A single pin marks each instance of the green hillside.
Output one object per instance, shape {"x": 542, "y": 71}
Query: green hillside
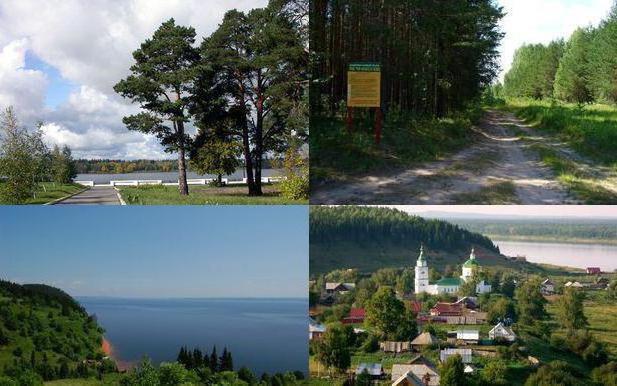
{"x": 45, "y": 334}
{"x": 369, "y": 238}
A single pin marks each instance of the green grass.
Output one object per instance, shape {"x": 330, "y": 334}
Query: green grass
{"x": 203, "y": 195}
{"x": 50, "y": 191}
{"x": 591, "y": 130}
{"x": 585, "y": 187}
{"x": 335, "y": 153}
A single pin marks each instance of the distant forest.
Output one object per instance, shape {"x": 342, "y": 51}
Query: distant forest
{"x": 365, "y": 225}
{"x": 581, "y": 70}
{"x": 557, "y": 230}
{"x": 111, "y": 166}
{"x": 436, "y": 56}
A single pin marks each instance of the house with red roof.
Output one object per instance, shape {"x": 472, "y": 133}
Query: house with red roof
{"x": 447, "y": 309}
{"x": 356, "y": 315}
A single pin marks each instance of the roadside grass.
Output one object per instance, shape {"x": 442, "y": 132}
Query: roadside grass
{"x": 591, "y": 129}
{"x": 496, "y": 193}
{"x": 337, "y": 154}
{"x": 204, "y": 195}
{"x": 49, "y": 191}
{"x": 570, "y": 174}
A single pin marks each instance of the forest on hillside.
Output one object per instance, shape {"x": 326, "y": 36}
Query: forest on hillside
{"x": 580, "y": 70}
{"x": 366, "y": 225}
{"x": 436, "y": 56}
{"x": 45, "y": 334}
{"x": 549, "y": 229}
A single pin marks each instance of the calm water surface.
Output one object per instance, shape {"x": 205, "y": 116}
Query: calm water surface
{"x": 165, "y": 176}
{"x": 266, "y": 335}
{"x": 572, "y": 255}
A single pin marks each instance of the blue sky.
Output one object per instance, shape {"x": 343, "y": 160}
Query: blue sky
{"x": 219, "y": 251}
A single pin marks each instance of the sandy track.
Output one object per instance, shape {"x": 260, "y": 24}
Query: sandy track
{"x": 497, "y": 161}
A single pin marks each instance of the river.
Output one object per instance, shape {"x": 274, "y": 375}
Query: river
{"x": 564, "y": 254}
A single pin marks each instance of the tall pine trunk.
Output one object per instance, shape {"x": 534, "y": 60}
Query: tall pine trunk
{"x": 183, "y": 187}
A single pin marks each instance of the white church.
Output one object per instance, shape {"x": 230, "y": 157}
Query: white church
{"x": 447, "y": 284}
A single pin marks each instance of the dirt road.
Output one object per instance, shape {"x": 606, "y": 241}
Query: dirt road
{"x": 498, "y": 168}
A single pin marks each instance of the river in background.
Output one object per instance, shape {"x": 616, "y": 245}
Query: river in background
{"x": 266, "y": 335}
{"x": 564, "y": 254}
{"x": 165, "y": 176}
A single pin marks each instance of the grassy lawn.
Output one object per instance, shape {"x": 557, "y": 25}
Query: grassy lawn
{"x": 49, "y": 191}
{"x": 592, "y": 129}
{"x": 203, "y": 195}
{"x": 406, "y": 139}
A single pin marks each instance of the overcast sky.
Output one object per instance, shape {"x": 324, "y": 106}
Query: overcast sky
{"x": 59, "y": 60}
{"x": 540, "y": 21}
{"x": 162, "y": 252}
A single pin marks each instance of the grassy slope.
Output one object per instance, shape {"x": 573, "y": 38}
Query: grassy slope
{"x": 202, "y": 195}
{"x": 50, "y": 191}
{"x": 335, "y": 153}
{"x": 108, "y": 380}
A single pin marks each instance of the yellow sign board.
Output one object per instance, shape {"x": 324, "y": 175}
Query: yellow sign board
{"x": 364, "y": 85}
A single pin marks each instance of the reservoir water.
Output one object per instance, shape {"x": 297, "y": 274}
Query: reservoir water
{"x": 266, "y": 335}
{"x": 165, "y": 176}
{"x": 564, "y": 254}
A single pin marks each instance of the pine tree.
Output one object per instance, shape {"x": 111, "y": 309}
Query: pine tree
{"x": 214, "y": 360}
{"x": 163, "y": 92}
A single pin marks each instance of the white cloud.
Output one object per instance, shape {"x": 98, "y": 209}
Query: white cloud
{"x": 24, "y": 89}
{"x": 90, "y": 43}
{"x": 540, "y": 21}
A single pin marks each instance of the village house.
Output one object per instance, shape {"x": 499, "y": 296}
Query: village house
{"x": 547, "y": 287}
{"x": 374, "y": 370}
{"x": 465, "y": 354}
{"x": 464, "y": 337}
{"x": 316, "y": 330}
{"x": 395, "y": 347}
{"x": 415, "y": 306}
{"x": 417, "y": 372}
{"x": 574, "y": 284}
{"x": 447, "y": 309}
{"x": 339, "y": 288}
{"x": 502, "y": 332}
{"x": 423, "y": 340}
{"x": 356, "y": 315}
{"x": 593, "y": 271}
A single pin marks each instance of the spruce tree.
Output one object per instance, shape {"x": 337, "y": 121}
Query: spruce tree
{"x": 572, "y": 78}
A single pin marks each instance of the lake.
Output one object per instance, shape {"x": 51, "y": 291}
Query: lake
{"x": 572, "y": 255}
{"x": 165, "y": 176}
{"x": 266, "y": 335}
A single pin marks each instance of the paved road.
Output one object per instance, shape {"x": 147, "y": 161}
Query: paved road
{"x": 498, "y": 159}
{"x": 98, "y": 195}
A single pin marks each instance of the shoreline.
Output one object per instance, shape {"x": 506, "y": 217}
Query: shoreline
{"x": 108, "y": 349}
{"x": 540, "y": 239}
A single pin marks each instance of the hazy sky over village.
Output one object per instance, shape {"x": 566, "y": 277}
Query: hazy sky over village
{"x": 540, "y": 21}
{"x": 59, "y": 60}
{"x": 207, "y": 251}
